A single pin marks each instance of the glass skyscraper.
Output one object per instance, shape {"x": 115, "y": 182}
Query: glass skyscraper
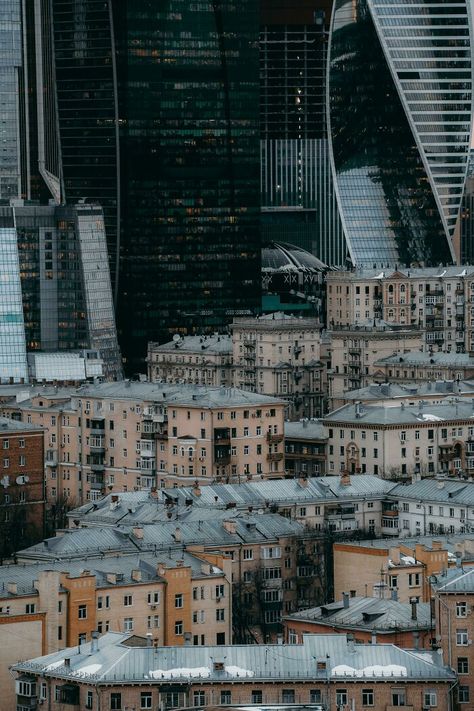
{"x": 400, "y": 116}
{"x": 298, "y": 199}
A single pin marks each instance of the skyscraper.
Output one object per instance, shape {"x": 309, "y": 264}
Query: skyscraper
{"x": 158, "y": 119}
{"x": 400, "y": 116}
{"x": 298, "y": 199}
{"x": 55, "y": 286}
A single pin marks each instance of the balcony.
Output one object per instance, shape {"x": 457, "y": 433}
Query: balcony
{"x": 354, "y": 351}
{"x": 97, "y": 466}
{"x": 97, "y": 483}
{"x": 274, "y": 438}
{"x": 147, "y": 465}
{"x": 152, "y": 415}
{"x": 97, "y": 444}
{"x": 97, "y": 426}
{"x": 148, "y": 427}
{"x": 221, "y": 436}
{"x": 275, "y": 456}
{"x": 147, "y": 448}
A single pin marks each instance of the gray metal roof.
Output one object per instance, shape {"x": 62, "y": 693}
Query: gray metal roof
{"x": 452, "y": 360}
{"x": 79, "y": 542}
{"x": 413, "y": 273}
{"x": 456, "y": 581}
{"x": 182, "y": 394}
{"x": 8, "y": 425}
{"x": 369, "y": 614}
{"x": 452, "y": 542}
{"x": 384, "y": 391}
{"x": 424, "y": 413}
{"x": 217, "y": 343}
{"x": 306, "y": 429}
{"x": 118, "y": 663}
{"x": 440, "y": 490}
{"x": 25, "y": 575}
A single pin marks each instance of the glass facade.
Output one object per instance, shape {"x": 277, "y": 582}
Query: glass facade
{"x": 13, "y": 363}
{"x": 297, "y": 193}
{"x": 189, "y": 144}
{"x": 10, "y": 75}
{"x": 84, "y": 69}
{"x": 400, "y": 112}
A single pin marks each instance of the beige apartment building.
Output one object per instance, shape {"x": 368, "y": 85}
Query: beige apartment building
{"x": 172, "y": 599}
{"x": 438, "y": 300}
{"x": 129, "y": 435}
{"x": 356, "y": 350}
{"x": 424, "y": 367}
{"x": 201, "y": 360}
{"x": 276, "y": 354}
{"x": 402, "y": 440}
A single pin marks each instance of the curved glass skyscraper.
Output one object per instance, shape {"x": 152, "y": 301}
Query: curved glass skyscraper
{"x": 400, "y": 78}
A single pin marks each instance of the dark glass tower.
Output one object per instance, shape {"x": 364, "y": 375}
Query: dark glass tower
{"x": 298, "y": 200}
{"x": 188, "y": 110}
{"x": 400, "y": 113}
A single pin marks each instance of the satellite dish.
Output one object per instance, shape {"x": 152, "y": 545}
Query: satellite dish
{"x": 260, "y": 512}
{"x": 176, "y": 337}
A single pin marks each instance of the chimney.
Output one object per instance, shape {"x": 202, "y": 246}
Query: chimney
{"x": 177, "y": 534}
{"x": 416, "y": 640}
{"x": 153, "y": 493}
{"x": 229, "y": 526}
{"x": 111, "y": 578}
{"x": 279, "y": 639}
{"x": 196, "y": 489}
{"x": 95, "y": 642}
{"x": 345, "y": 478}
{"x": 67, "y": 661}
{"x": 303, "y": 481}
{"x": 394, "y": 595}
{"x": 136, "y": 575}
{"x": 413, "y": 603}
{"x": 149, "y": 639}
{"x": 12, "y": 588}
{"x": 187, "y": 639}
{"x": 373, "y": 639}
{"x": 345, "y": 600}
{"x": 138, "y": 532}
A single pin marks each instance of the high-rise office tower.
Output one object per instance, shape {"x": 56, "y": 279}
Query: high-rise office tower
{"x": 466, "y": 217}
{"x": 55, "y": 287}
{"x": 400, "y": 115}
{"x": 298, "y": 200}
{"x": 158, "y": 119}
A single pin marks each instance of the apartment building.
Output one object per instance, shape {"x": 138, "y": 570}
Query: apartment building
{"x": 276, "y": 563}
{"x": 402, "y": 440}
{"x": 431, "y": 506}
{"x": 454, "y": 602}
{"x": 22, "y": 500}
{"x": 275, "y": 354}
{"x": 125, "y": 436}
{"x": 356, "y": 350}
{"x": 398, "y": 568}
{"x": 372, "y": 620}
{"x": 305, "y": 448}
{"x": 424, "y": 367}
{"x": 171, "y": 599}
{"x": 202, "y": 360}
{"x": 325, "y": 672}
{"x": 438, "y": 300}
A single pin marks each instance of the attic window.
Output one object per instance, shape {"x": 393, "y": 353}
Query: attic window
{"x": 321, "y": 665}
{"x": 219, "y": 666}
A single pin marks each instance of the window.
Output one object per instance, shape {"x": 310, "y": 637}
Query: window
{"x": 146, "y": 700}
{"x": 178, "y": 600}
{"x": 178, "y": 627}
{"x": 30, "y": 608}
{"x": 6, "y": 444}
{"x": 413, "y": 580}
{"x": 256, "y": 696}
{"x": 248, "y": 554}
{"x": 461, "y": 637}
{"x": 463, "y": 694}
{"x": 226, "y": 696}
{"x": 128, "y": 624}
{"x": 341, "y": 697}
{"x": 398, "y": 697}
{"x": 367, "y": 697}
{"x": 219, "y": 591}
{"x": 220, "y": 614}
{"x": 82, "y": 612}
{"x": 271, "y": 552}
{"x": 288, "y": 696}
{"x": 127, "y": 600}
{"x": 199, "y": 698}
{"x": 89, "y": 699}
{"x": 315, "y": 696}
{"x": 463, "y": 665}
{"x": 461, "y": 609}
{"x": 115, "y": 701}
{"x": 430, "y": 699}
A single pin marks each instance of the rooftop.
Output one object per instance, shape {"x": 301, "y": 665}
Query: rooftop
{"x": 217, "y": 343}
{"x": 424, "y": 358}
{"x": 281, "y": 257}
{"x": 11, "y": 426}
{"x": 442, "y": 490}
{"x": 414, "y": 273}
{"x": 456, "y": 581}
{"x": 385, "y": 391}
{"x": 306, "y": 429}
{"x": 452, "y": 543}
{"x": 119, "y": 659}
{"x": 368, "y": 613}
{"x": 425, "y": 412}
